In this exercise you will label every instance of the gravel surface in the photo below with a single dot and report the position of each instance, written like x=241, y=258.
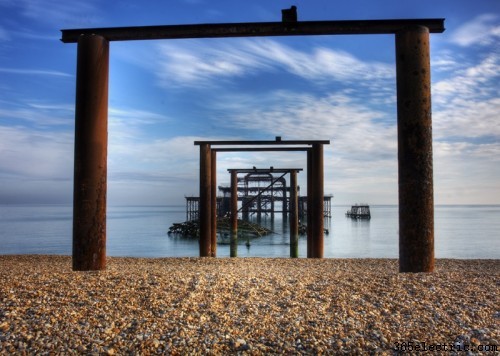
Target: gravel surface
x=246, y=305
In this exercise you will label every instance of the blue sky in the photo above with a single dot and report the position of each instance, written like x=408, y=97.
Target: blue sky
x=166, y=94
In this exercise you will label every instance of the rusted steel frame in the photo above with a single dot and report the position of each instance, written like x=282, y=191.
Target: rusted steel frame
x=91, y=149
x=262, y=142
x=416, y=201
x=253, y=29
x=294, y=216
x=310, y=240
x=284, y=204
x=264, y=170
x=259, y=149
x=234, y=214
x=213, y=195
x=205, y=210
x=317, y=200
x=258, y=196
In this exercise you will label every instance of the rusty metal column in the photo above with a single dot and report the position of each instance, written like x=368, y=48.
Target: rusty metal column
x=234, y=215
x=317, y=201
x=205, y=210
x=91, y=150
x=310, y=241
x=284, y=206
x=294, y=216
x=416, y=201
x=213, y=192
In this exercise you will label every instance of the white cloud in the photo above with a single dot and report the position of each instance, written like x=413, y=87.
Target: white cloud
x=321, y=63
x=48, y=72
x=35, y=154
x=482, y=30
x=466, y=173
x=362, y=152
x=468, y=102
x=196, y=63
x=56, y=12
x=39, y=114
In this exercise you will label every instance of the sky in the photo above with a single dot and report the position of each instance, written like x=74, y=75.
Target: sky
x=165, y=94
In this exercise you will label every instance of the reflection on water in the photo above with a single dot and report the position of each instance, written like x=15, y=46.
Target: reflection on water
x=460, y=232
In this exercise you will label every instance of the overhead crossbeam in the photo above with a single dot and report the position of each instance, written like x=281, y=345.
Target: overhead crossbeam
x=264, y=170
x=254, y=29
x=260, y=149
x=208, y=157
x=277, y=142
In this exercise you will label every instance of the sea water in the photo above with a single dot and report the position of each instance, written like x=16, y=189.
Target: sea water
x=465, y=231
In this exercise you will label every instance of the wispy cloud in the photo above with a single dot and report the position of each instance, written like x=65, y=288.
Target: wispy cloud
x=38, y=114
x=482, y=30
x=363, y=140
x=196, y=63
x=48, y=72
x=56, y=12
x=35, y=154
x=468, y=102
x=4, y=35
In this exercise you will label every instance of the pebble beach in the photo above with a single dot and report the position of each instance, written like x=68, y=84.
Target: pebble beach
x=255, y=306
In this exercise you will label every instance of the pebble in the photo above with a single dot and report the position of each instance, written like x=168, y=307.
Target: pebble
x=242, y=305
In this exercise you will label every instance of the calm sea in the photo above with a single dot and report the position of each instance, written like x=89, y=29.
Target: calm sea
x=141, y=231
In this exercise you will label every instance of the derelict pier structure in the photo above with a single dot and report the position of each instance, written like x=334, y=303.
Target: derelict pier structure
x=261, y=192
x=414, y=121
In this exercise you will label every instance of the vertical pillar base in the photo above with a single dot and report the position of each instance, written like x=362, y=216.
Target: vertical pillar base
x=205, y=209
x=91, y=149
x=415, y=172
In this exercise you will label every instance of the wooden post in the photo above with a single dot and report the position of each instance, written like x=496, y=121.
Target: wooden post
x=234, y=214
x=205, y=210
x=294, y=216
x=317, y=201
x=213, y=193
x=416, y=201
x=91, y=149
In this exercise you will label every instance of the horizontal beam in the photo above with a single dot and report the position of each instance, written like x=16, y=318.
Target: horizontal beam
x=260, y=149
x=264, y=170
x=253, y=29
x=263, y=142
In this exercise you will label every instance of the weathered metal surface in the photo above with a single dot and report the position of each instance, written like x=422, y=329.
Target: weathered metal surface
x=264, y=170
x=316, y=208
x=91, y=144
x=213, y=205
x=261, y=149
x=262, y=142
x=294, y=216
x=205, y=209
x=416, y=202
x=310, y=240
x=234, y=214
x=254, y=29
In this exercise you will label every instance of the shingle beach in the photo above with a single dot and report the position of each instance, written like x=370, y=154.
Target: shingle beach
x=256, y=306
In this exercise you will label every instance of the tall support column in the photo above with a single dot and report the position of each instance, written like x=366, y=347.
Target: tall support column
x=294, y=216
x=213, y=193
x=91, y=149
x=317, y=201
x=285, y=201
x=205, y=210
x=234, y=215
x=310, y=241
x=416, y=201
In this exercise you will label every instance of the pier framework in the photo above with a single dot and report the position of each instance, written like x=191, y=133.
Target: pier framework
x=208, y=184
x=415, y=168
